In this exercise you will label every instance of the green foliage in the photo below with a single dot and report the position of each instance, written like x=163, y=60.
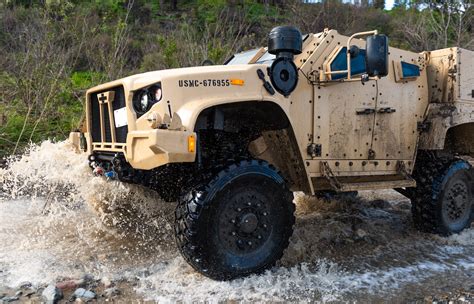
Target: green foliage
x=11, y=129
x=169, y=49
x=207, y=11
x=216, y=53
x=254, y=11
x=82, y=80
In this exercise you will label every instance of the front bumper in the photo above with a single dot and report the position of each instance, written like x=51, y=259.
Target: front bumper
x=153, y=148
x=78, y=141
x=148, y=149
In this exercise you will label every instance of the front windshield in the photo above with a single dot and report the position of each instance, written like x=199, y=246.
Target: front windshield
x=252, y=56
x=247, y=56
x=242, y=58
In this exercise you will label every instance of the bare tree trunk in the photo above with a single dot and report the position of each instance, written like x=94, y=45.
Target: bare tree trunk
x=22, y=130
x=48, y=98
x=162, y=7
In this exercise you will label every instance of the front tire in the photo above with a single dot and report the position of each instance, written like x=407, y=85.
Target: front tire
x=237, y=223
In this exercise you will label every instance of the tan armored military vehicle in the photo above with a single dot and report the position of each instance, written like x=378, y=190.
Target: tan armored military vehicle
x=317, y=113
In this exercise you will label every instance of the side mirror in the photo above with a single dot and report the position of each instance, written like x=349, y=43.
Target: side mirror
x=354, y=51
x=207, y=62
x=376, y=56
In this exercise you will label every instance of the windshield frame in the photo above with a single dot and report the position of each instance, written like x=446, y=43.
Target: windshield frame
x=257, y=54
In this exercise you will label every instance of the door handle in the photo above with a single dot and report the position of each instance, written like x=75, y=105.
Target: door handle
x=386, y=110
x=367, y=111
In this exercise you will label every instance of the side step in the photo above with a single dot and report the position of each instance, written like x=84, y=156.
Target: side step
x=404, y=183
x=343, y=184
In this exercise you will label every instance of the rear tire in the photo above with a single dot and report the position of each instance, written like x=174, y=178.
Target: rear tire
x=237, y=223
x=443, y=201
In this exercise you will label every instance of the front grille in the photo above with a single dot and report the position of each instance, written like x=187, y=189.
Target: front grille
x=120, y=133
x=96, y=122
x=95, y=119
x=107, y=132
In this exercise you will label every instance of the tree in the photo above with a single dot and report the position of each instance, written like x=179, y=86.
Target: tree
x=379, y=4
x=439, y=24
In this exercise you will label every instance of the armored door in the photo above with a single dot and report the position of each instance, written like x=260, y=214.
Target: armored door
x=401, y=98
x=345, y=111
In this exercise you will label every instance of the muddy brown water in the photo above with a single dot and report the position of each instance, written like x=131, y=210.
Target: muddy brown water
x=58, y=221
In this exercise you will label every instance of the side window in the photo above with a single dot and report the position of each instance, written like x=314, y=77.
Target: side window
x=405, y=71
x=410, y=70
x=340, y=63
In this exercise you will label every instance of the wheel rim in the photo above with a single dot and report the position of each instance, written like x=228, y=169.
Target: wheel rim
x=246, y=223
x=457, y=204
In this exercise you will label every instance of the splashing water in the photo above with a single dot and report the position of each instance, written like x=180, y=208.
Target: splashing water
x=58, y=220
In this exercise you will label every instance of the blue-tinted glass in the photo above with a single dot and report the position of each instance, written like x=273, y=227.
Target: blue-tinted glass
x=410, y=70
x=340, y=63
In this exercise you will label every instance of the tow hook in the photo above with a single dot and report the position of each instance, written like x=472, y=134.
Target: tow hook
x=112, y=169
x=98, y=170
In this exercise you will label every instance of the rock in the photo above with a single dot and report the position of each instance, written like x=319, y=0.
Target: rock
x=106, y=282
x=10, y=299
x=88, y=278
x=29, y=292
x=361, y=233
x=110, y=292
x=69, y=284
x=143, y=273
x=377, y=213
x=18, y=293
x=25, y=285
x=52, y=294
x=84, y=294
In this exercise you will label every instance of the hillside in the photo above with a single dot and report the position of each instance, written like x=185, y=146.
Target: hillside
x=51, y=51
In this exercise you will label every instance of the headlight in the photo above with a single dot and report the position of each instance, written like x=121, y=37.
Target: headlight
x=144, y=102
x=145, y=98
x=156, y=93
